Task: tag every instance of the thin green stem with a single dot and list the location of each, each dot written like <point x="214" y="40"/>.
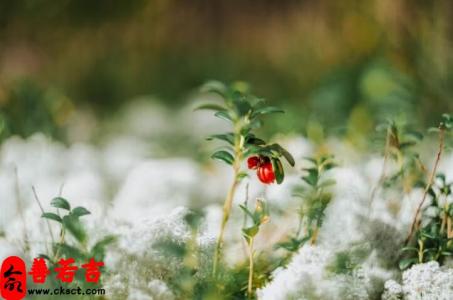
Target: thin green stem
<point x="244" y="221"/>
<point x="62" y="236"/>
<point x="420" y="252"/>
<point x="250" y="282"/>
<point x="299" y="227"/>
<point x="239" y="143"/>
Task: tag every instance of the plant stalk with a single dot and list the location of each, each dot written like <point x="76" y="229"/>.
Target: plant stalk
<point x="449" y="229"/>
<point x="250" y="283"/>
<point x="416" y="220"/>
<point x="62" y="236"/>
<point x="314" y="237"/>
<point x="420" y="251"/>
<point x="228" y="201"/>
<point x="42" y="211"/>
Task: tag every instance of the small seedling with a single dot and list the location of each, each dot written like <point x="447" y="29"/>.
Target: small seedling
<point x="69" y="220"/>
<point x="315" y="197"/>
<point x="258" y="217"/>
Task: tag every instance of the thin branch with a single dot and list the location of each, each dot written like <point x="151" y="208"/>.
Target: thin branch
<point x="250" y="281"/>
<point x="416" y="220"/>
<point x="238" y="148"/>
<point x="42" y="210"/>
<point x="244" y="221"/>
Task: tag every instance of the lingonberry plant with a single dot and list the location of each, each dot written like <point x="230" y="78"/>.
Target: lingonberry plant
<point x="244" y="113"/>
<point x="434" y="237"/>
<point x="315" y="197"/>
<point x="258" y="217"/>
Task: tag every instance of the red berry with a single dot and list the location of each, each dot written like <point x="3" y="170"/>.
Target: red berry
<point x="266" y="173"/>
<point x="253" y="162"/>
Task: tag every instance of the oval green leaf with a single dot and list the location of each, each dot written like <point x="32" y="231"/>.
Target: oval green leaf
<point x="227" y="137"/>
<point x="223" y="115"/>
<point x="80" y="211"/>
<point x="223" y="156"/>
<point x="60" y="202"/>
<point x="267" y="110"/>
<point x="52" y="216"/>
<point x="210" y="106"/>
<point x="278" y="170"/>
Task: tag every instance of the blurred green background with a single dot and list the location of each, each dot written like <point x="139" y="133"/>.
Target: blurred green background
<point x="344" y="64"/>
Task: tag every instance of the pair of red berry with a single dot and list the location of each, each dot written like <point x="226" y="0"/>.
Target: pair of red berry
<point x="263" y="165"/>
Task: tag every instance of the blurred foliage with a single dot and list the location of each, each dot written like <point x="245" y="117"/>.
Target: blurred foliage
<point x="347" y="65"/>
<point x="27" y="108"/>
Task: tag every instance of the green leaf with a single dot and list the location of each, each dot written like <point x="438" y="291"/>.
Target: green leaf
<point x="70" y="251"/>
<point x="44" y="256"/>
<point x="312" y="177"/>
<point x="278" y="170"/>
<point x="224" y="156"/>
<point x="102" y="243"/>
<point x="312" y="160"/>
<point x="267" y="110"/>
<point x="407" y="249"/>
<point x="247" y="211"/>
<point x="255" y="149"/>
<point x="80" y="211"/>
<point x="256" y="102"/>
<point x="289" y="158"/>
<point x="223" y="115"/>
<point x="242" y="107"/>
<point x="227" y="137"/>
<point x="427" y="235"/>
<point x="282" y="151"/>
<point x="60" y="202"/>
<point x="255" y="124"/>
<point x="251" y="231"/>
<point x="251" y="139"/>
<point x="406" y="263"/>
<point x="214" y="86"/>
<point x="241" y="175"/>
<point x="98" y="250"/>
<point x="51" y="216"/>
<point x="73" y="225"/>
<point x="210" y="106"/>
<point x="327" y="183"/>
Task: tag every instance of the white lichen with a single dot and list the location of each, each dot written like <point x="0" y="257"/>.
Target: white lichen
<point x="144" y="253"/>
<point x="426" y="281"/>
<point x="307" y="277"/>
